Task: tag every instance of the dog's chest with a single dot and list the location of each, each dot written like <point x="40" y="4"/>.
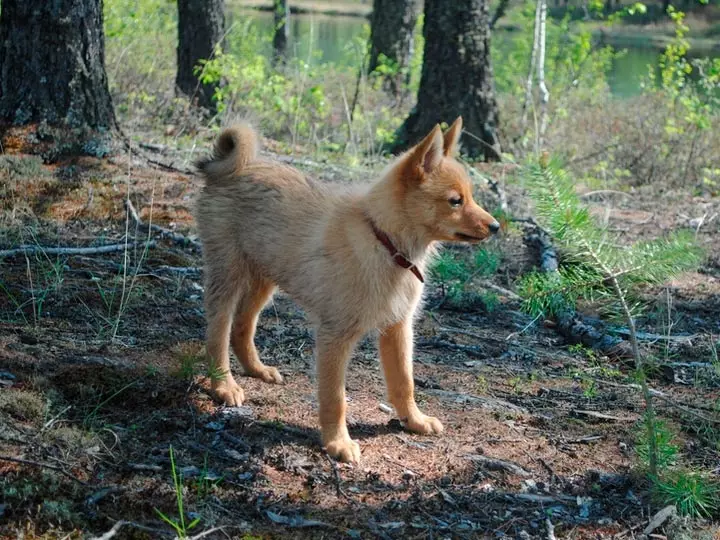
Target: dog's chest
<point x="395" y="301"/>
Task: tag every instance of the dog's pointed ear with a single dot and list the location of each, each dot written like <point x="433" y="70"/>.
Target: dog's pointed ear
<point x="429" y="153"/>
<point x="452" y="136"/>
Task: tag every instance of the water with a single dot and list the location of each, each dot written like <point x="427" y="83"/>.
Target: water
<point x="332" y="38"/>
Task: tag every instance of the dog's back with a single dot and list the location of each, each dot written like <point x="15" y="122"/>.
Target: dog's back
<point x="267" y="214"/>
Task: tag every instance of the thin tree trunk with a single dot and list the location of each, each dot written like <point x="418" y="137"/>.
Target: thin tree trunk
<point x="392" y="27"/>
<point x="200" y="28"/>
<point x="457" y="78"/>
<point x="282" y="30"/>
<point x="544" y="93"/>
<point x="52" y="64"/>
<point x="531" y="71"/>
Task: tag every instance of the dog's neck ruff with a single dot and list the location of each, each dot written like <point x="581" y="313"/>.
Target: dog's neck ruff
<point x="400" y="259"/>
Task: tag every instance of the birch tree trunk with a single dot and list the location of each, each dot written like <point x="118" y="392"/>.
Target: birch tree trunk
<point x="544" y="93"/>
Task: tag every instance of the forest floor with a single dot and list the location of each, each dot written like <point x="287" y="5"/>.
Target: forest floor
<point x="102" y="372"/>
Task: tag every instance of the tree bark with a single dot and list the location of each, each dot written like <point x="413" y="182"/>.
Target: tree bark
<point x="282" y="29"/>
<point x="201" y="24"/>
<point x="457" y="78"/>
<point x="52" y="64"/>
<point x="392" y="26"/>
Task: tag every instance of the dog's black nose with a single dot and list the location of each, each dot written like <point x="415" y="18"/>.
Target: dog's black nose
<point x="494" y="227"/>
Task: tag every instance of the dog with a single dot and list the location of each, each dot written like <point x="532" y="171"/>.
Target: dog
<point x="353" y="259"/>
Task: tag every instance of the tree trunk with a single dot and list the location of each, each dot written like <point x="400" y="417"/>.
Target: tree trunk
<point x="282" y="29"/>
<point x="52" y="64"/>
<point x="392" y="25"/>
<point x="201" y="25"/>
<point x="457" y="78"/>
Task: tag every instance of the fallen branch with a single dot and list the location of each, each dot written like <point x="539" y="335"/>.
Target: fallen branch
<point x="603" y="416"/>
<point x="43" y="466"/>
<point x="550" y="529"/>
<point x="574" y="328"/>
<point x="176" y="237"/>
<point x="569" y="323"/>
<point x="648" y="336"/>
<point x="122" y="523"/>
<point x="111" y="248"/>
<point x="498" y="464"/>
<point x="489" y="403"/>
<point x="500" y="290"/>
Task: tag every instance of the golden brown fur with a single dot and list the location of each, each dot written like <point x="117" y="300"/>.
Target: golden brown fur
<point x="264" y="224"/>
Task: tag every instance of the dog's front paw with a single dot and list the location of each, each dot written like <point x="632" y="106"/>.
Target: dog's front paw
<point x="269" y="375"/>
<point x="426" y="425"/>
<point x="228" y="392"/>
<point x="345" y="450"/>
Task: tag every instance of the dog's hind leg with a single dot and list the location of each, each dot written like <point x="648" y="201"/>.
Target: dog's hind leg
<point x="222" y="288"/>
<point x="249" y="304"/>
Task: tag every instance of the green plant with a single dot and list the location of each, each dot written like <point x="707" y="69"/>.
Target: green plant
<point x="666" y="448"/>
<point x="597" y="267"/>
<point x="206" y="482"/>
<point x="692" y="493"/>
<point x="589" y="388"/>
<point x="179" y="525"/>
<point x="289" y="100"/>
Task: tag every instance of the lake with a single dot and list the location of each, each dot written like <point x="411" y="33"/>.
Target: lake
<point x="333" y="38"/>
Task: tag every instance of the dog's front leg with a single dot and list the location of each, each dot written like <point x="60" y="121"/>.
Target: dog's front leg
<point x="396" y="349"/>
<point x="333" y="352"/>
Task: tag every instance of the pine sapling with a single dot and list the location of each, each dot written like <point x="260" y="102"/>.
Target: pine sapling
<point x="598" y="268"/>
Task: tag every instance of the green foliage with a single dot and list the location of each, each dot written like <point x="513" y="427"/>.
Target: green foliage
<point x="285" y="100"/>
<point x="455" y="272"/>
<point x="692" y="493"/>
<point x="592" y="255"/>
<point x="698" y="101"/>
<point x="572" y="62"/>
<point x="134" y="28"/>
<point x="667" y="448"/>
<point x="178" y="524"/>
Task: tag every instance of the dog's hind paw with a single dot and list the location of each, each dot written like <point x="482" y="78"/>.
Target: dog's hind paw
<point x="229" y="392"/>
<point x="345" y="450"/>
<point x="426" y="425"/>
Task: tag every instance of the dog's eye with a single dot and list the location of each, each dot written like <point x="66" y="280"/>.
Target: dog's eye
<point x="455" y="202"/>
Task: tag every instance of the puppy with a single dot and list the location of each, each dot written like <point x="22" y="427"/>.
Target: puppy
<point x="353" y="259"/>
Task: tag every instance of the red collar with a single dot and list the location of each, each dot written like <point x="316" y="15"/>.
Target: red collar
<point x="400" y="259"/>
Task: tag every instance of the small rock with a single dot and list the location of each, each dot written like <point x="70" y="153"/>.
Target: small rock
<point x="529" y="486"/>
<point x="385" y="408"/>
<point x="189" y="471"/>
<point x="236" y="415"/>
<point x="215" y="426"/>
<point x="237" y="456"/>
<point x="487" y="488"/>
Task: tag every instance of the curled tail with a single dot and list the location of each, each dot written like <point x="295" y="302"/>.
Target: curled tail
<point x="234" y="149"/>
